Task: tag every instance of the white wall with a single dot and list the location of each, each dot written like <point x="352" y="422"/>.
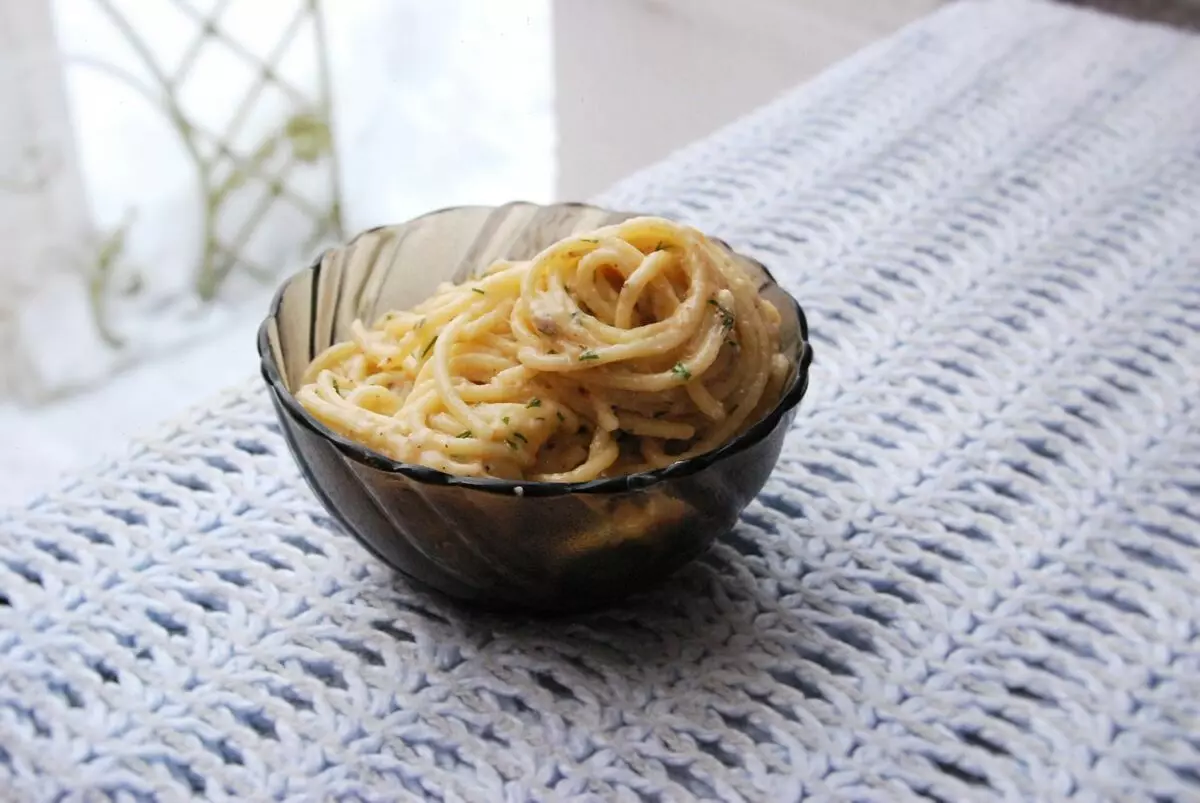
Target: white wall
<point x="638" y="78"/>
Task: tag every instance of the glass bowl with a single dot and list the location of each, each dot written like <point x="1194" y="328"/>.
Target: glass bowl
<point x="550" y="547"/>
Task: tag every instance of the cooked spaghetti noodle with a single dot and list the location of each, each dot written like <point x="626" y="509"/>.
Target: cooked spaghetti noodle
<point x="612" y="352"/>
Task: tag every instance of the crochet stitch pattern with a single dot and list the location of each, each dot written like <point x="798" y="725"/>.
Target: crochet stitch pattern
<point x="973" y="575"/>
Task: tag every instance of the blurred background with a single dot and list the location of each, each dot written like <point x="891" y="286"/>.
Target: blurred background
<point x="164" y="162"/>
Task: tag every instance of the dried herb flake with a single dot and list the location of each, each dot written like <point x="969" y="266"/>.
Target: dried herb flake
<point x="727" y="317"/>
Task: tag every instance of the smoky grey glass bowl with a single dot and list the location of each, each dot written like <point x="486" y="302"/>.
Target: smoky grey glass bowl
<point x="547" y="547"/>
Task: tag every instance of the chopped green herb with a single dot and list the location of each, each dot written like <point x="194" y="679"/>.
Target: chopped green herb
<point x="561" y="417"/>
<point x="534" y="402"/>
<point x="466" y="433"/>
<point x="511" y="444"/>
<point x="336" y="388"/>
<point x="727" y="318"/>
<point x="504" y="419"/>
<point x="477" y="290"/>
<point x="680" y="370"/>
<point x="429" y="348"/>
<point x="588" y="240"/>
<point x="588" y="354"/>
<point x="520" y="437"/>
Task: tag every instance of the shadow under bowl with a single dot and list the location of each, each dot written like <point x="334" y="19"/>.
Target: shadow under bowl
<point x="546" y="547"/>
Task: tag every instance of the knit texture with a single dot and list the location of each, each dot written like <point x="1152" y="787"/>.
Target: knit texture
<point x="973" y="575"/>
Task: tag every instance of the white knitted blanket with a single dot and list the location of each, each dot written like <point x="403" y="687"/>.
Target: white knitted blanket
<point x="972" y="576"/>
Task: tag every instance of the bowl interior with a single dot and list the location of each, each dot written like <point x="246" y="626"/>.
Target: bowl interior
<point x="396" y="267"/>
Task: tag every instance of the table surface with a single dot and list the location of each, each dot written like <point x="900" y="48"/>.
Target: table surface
<point x="972" y="576"/>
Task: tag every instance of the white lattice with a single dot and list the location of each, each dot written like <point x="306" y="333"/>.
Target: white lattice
<point x="196" y="135"/>
<point x="972" y="577"/>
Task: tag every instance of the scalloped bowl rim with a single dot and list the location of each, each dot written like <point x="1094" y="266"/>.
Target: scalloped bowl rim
<point x="625" y="482"/>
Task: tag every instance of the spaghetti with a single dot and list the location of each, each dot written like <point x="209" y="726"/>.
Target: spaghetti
<point x="612" y="352"/>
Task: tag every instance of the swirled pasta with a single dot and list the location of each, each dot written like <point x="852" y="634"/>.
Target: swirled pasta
<point x="612" y="352"/>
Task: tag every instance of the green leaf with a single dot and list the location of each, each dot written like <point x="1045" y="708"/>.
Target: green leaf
<point x="680" y="370"/>
<point x="309" y="137"/>
<point x="588" y="354"/>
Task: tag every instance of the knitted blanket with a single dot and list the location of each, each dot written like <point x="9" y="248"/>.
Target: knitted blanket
<point x="973" y="575"/>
